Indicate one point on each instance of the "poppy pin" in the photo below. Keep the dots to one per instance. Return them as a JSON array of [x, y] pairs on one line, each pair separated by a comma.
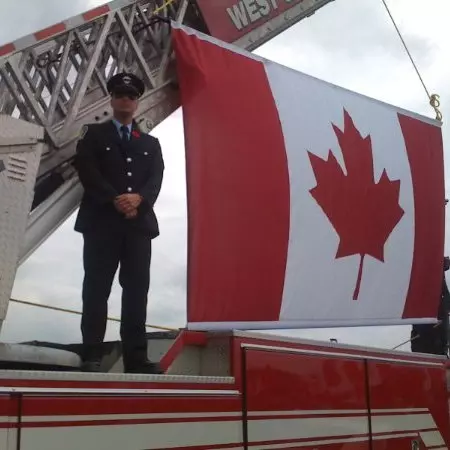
[[136, 134]]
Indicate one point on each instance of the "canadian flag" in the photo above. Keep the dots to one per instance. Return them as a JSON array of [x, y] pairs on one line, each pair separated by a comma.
[[308, 205]]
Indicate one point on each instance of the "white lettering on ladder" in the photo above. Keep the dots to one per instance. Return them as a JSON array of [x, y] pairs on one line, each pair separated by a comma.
[[247, 12]]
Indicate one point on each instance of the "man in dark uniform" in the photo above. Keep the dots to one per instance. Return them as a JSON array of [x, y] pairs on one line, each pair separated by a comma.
[[121, 170]]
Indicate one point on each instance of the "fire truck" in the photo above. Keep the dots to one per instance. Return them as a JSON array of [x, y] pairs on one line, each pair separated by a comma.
[[220, 390]]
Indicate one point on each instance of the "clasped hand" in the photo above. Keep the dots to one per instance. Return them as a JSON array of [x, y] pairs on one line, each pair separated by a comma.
[[128, 204]]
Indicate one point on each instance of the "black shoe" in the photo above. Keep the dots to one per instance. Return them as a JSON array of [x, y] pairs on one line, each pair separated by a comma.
[[146, 367], [91, 356], [91, 365]]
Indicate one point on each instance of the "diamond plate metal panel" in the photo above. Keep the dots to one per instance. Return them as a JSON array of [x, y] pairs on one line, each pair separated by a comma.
[[187, 362], [215, 358], [20, 153]]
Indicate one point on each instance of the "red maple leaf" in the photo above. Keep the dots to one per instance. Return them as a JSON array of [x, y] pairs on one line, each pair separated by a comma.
[[363, 213]]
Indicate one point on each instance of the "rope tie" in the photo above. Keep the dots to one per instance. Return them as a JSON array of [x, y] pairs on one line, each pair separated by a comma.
[[433, 98]]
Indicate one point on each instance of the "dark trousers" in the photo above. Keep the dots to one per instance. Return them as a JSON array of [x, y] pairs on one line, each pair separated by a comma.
[[102, 255]]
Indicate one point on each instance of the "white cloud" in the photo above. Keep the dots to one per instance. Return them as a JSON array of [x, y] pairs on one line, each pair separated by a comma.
[[351, 44], [23, 17]]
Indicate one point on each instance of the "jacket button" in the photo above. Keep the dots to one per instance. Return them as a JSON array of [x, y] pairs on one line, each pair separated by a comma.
[[108, 149], [129, 160], [129, 174], [145, 153], [129, 189]]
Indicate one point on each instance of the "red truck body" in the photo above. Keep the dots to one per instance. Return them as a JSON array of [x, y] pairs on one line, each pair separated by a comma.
[[236, 391]]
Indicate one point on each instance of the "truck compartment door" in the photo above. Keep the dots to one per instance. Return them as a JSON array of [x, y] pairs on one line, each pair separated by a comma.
[[302, 400], [408, 405]]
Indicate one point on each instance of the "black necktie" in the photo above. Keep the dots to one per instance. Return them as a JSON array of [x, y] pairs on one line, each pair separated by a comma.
[[124, 130]]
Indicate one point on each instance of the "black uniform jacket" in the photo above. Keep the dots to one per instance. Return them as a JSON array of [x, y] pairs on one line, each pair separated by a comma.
[[107, 167]]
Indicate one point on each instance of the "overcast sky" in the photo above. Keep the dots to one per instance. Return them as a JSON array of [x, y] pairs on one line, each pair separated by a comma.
[[349, 42]]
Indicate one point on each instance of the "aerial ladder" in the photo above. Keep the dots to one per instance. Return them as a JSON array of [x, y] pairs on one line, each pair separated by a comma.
[[53, 81]]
